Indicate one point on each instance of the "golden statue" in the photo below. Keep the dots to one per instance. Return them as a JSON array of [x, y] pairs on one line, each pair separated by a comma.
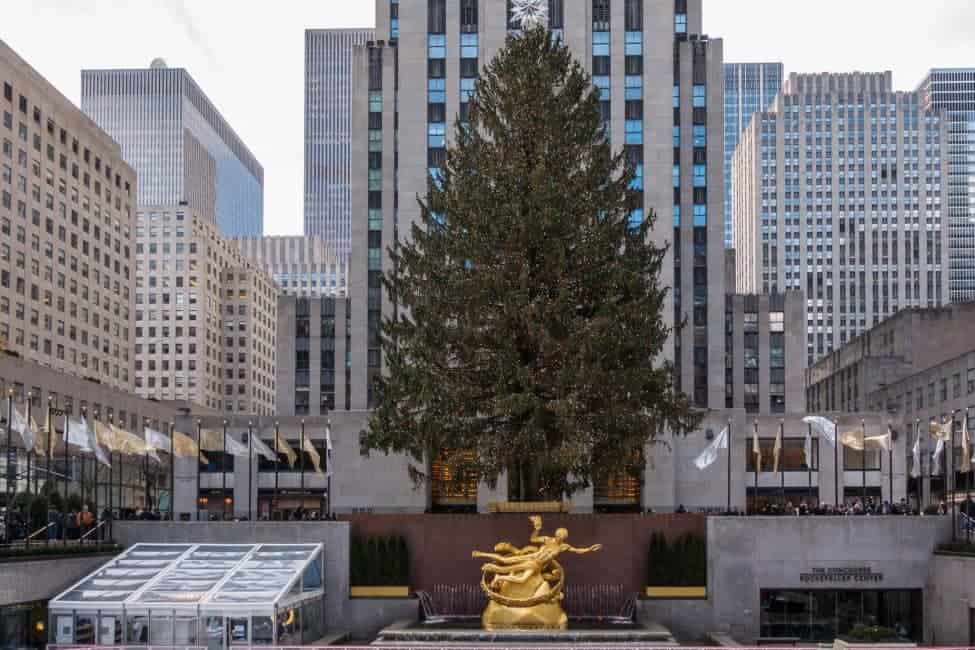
[[524, 585]]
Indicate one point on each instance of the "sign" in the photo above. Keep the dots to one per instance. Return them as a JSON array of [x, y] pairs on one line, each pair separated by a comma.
[[841, 574]]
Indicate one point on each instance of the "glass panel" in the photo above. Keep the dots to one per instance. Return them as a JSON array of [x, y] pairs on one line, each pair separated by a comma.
[[186, 632], [311, 620], [64, 628], [137, 628], [214, 633], [110, 629], [84, 630], [263, 632], [160, 629], [289, 627], [312, 579], [238, 631]]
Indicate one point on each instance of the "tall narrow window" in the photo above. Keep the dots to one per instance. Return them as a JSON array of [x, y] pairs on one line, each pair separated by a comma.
[[437, 16]]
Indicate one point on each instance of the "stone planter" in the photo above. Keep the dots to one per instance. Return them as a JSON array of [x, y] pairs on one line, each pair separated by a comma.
[[677, 593], [379, 592]]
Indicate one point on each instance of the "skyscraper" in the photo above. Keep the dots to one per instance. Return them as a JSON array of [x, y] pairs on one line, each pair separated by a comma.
[[67, 220], [328, 133], [183, 150], [418, 75], [838, 192], [951, 93], [748, 87]]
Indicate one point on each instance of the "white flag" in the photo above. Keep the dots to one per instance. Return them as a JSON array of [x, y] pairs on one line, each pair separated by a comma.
[[807, 447], [19, 424], [157, 440], [94, 446], [939, 450], [966, 447], [916, 453], [78, 435], [710, 453], [262, 449], [824, 426], [235, 448], [328, 439]]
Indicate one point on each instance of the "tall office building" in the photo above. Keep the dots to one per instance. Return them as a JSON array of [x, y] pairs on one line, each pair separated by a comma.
[[951, 93], [838, 192], [748, 87], [67, 211], [299, 266], [183, 150], [328, 133], [206, 317], [410, 84]]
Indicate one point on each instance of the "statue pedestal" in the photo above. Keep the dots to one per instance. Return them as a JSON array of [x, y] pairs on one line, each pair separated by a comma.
[[547, 616]]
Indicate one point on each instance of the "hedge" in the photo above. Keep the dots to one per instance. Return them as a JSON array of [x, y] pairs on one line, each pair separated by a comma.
[[681, 563], [379, 562], [56, 548]]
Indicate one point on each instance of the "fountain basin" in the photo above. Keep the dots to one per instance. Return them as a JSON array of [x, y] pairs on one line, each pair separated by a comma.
[[463, 632]]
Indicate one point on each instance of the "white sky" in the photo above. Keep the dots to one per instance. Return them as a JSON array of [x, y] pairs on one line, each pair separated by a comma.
[[248, 55]]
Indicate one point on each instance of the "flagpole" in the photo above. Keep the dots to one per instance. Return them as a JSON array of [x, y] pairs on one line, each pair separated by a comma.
[[328, 464], [920, 470], [223, 467], [890, 462], [50, 442], [758, 466], [199, 460], [37, 462], [729, 465], [172, 471], [968, 483], [302, 478], [277, 460], [29, 452], [779, 460], [863, 463], [145, 463], [250, 470], [836, 464], [10, 419], [809, 463], [67, 460], [951, 477]]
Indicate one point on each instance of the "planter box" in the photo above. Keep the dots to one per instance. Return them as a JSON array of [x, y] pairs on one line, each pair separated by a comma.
[[528, 507], [841, 644], [677, 593], [379, 592]]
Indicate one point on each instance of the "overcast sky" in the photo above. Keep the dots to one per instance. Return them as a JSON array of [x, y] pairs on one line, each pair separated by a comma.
[[248, 55]]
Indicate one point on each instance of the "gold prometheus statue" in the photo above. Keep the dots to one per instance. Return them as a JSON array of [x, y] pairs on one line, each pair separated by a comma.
[[525, 585]]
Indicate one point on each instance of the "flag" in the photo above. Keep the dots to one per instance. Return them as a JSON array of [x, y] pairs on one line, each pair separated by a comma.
[[19, 424], [309, 449], [157, 440], [93, 444], [328, 440], [756, 449], [941, 431], [235, 448], [777, 448], [105, 436], [211, 440], [710, 453], [78, 435], [824, 426], [807, 448], [185, 447], [966, 447], [283, 447], [916, 454], [262, 449], [857, 439], [40, 438]]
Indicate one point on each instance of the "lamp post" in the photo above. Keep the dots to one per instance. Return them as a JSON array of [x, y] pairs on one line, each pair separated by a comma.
[[199, 461], [10, 465], [250, 470], [223, 468]]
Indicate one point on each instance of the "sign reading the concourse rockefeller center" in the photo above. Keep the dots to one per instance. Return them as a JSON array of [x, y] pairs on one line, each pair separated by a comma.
[[841, 574]]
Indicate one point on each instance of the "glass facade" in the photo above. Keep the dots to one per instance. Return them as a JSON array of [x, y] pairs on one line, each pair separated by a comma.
[[748, 88], [951, 92], [822, 615], [328, 133], [178, 143]]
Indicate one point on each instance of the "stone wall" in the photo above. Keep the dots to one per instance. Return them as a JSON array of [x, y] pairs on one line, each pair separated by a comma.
[[949, 604], [440, 545], [42, 579], [748, 554]]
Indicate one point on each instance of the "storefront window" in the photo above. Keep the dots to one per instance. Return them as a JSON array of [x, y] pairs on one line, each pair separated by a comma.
[[853, 459], [263, 632], [822, 615], [238, 631], [792, 459], [214, 632]]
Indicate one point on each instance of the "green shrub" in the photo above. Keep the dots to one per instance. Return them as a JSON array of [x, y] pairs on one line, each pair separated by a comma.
[[681, 563], [57, 549], [379, 562], [872, 633]]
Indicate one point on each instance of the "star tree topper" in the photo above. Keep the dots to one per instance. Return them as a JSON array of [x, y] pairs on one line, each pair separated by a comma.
[[530, 13]]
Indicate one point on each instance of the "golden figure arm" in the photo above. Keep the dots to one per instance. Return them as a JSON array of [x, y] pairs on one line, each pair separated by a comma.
[[536, 537], [581, 551]]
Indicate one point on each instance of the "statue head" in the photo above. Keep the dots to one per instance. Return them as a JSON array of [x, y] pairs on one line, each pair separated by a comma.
[[561, 534]]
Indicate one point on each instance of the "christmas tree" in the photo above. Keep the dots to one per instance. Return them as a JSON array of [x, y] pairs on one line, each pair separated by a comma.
[[529, 316]]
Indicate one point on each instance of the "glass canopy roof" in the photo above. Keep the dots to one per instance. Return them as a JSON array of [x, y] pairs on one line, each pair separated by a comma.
[[176, 576]]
